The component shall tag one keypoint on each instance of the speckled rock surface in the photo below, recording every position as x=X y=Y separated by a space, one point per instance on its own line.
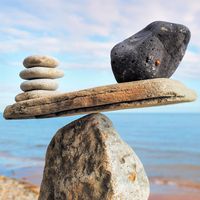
x=39 y=84
x=41 y=72
x=154 y=52
x=87 y=160
x=35 y=94
x=40 y=61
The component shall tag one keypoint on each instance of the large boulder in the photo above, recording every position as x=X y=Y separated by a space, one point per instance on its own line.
x=153 y=52
x=87 y=160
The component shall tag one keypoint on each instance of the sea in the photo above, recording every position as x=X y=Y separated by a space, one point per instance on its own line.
x=168 y=144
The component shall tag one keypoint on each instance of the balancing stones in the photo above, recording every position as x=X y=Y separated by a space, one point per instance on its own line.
x=154 y=52
x=39 y=74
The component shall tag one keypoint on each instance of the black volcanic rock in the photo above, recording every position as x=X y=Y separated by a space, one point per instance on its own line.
x=153 y=52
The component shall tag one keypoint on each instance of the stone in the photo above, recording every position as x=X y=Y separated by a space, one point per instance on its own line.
x=154 y=52
x=13 y=189
x=40 y=61
x=88 y=160
x=39 y=84
x=35 y=94
x=136 y=94
x=41 y=72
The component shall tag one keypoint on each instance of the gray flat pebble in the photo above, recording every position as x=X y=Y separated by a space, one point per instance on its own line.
x=41 y=72
x=39 y=84
x=41 y=61
x=35 y=94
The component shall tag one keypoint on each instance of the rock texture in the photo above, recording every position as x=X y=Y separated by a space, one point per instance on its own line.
x=35 y=94
x=154 y=52
x=135 y=94
x=39 y=77
x=39 y=84
x=12 y=189
x=41 y=72
x=87 y=160
x=42 y=61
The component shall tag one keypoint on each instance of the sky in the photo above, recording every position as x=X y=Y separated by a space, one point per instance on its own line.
x=81 y=33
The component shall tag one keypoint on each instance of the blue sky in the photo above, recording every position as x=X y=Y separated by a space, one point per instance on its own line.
x=81 y=33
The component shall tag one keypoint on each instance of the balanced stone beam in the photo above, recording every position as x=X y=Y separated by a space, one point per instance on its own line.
x=137 y=94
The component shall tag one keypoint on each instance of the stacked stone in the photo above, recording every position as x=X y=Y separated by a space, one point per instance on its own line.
x=39 y=74
x=87 y=159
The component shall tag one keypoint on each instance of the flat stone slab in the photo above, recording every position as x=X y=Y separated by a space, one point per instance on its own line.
x=137 y=94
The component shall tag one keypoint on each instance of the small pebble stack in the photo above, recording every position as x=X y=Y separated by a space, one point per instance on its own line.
x=39 y=74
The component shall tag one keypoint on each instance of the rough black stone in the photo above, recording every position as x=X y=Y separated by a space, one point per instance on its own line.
x=153 y=52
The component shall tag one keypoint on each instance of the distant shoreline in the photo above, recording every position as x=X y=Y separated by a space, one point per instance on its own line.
x=160 y=189
x=174 y=197
x=10 y=188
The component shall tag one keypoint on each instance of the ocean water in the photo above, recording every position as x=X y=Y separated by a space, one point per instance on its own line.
x=167 y=144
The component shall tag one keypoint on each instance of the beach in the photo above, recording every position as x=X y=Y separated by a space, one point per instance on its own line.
x=12 y=189
x=168 y=146
x=27 y=188
x=175 y=197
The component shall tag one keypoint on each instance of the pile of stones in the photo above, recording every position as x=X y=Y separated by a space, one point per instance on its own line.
x=39 y=74
x=87 y=159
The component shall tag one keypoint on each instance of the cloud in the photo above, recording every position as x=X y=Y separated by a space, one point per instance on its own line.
x=62 y=27
x=189 y=67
